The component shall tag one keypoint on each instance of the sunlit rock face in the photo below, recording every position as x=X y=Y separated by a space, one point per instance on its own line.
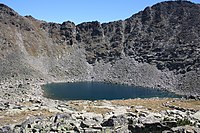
x=158 y=47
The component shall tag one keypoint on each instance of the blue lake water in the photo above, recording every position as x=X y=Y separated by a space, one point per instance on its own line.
x=100 y=91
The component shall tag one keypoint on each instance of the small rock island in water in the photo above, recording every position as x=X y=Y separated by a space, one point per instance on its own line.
x=154 y=48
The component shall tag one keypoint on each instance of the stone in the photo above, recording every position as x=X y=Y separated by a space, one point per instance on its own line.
x=76 y=129
x=170 y=123
x=196 y=115
x=167 y=131
x=83 y=125
x=122 y=129
x=149 y=120
x=148 y=127
x=6 y=129
x=186 y=129
x=108 y=123
x=97 y=127
x=54 y=110
x=115 y=121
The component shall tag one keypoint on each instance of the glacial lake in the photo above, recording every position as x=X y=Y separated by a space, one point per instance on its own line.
x=100 y=91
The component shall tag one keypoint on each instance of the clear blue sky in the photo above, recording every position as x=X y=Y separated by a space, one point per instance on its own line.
x=79 y=10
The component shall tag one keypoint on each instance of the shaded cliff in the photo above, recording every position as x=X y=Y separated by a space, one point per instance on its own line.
x=158 y=47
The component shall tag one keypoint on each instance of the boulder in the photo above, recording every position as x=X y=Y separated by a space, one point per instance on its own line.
x=185 y=129
x=115 y=121
x=196 y=115
x=6 y=129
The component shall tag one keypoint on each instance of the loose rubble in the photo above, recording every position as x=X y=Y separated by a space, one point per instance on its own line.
x=89 y=116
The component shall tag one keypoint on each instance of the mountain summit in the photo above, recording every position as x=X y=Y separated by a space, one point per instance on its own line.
x=157 y=47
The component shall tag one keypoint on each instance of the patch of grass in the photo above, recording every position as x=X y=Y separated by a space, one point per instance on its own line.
x=188 y=104
x=184 y=122
x=12 y=118
x=155 y=105
x=76 y=107
x=98 y=110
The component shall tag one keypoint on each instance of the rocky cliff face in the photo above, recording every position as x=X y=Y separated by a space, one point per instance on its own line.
x=158 y=47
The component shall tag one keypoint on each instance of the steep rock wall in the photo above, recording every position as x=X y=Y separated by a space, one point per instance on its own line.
x=158 y=47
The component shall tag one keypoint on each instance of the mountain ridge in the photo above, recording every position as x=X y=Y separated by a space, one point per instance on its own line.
x=157 y=48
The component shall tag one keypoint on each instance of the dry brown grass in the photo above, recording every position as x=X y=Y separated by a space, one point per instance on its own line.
x=98 y=110
x=89 y=106
x=11 y=118
x=76 y=105
x=187 y=104
x=155 y=105
x=98 y=107
x=26 y=104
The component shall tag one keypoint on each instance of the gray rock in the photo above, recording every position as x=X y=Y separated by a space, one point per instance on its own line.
x=108 y=123
x=6 y=129
x=187 y=129
x=115 y=121
x=83 y=125
x=148 y=127
x=196 y=115
x=149 y=120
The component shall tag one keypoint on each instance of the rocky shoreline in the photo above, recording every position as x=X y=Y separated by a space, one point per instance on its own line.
x=24 y=109
x=98 y=116
x=31 y=112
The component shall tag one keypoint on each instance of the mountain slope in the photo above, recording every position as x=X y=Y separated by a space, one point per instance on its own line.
x=158 y=47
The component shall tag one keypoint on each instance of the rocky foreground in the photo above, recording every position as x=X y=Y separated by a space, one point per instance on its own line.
x=137 y=115
x=34 y=113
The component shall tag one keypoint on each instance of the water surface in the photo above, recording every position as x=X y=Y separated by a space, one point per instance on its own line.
x=100 y=91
